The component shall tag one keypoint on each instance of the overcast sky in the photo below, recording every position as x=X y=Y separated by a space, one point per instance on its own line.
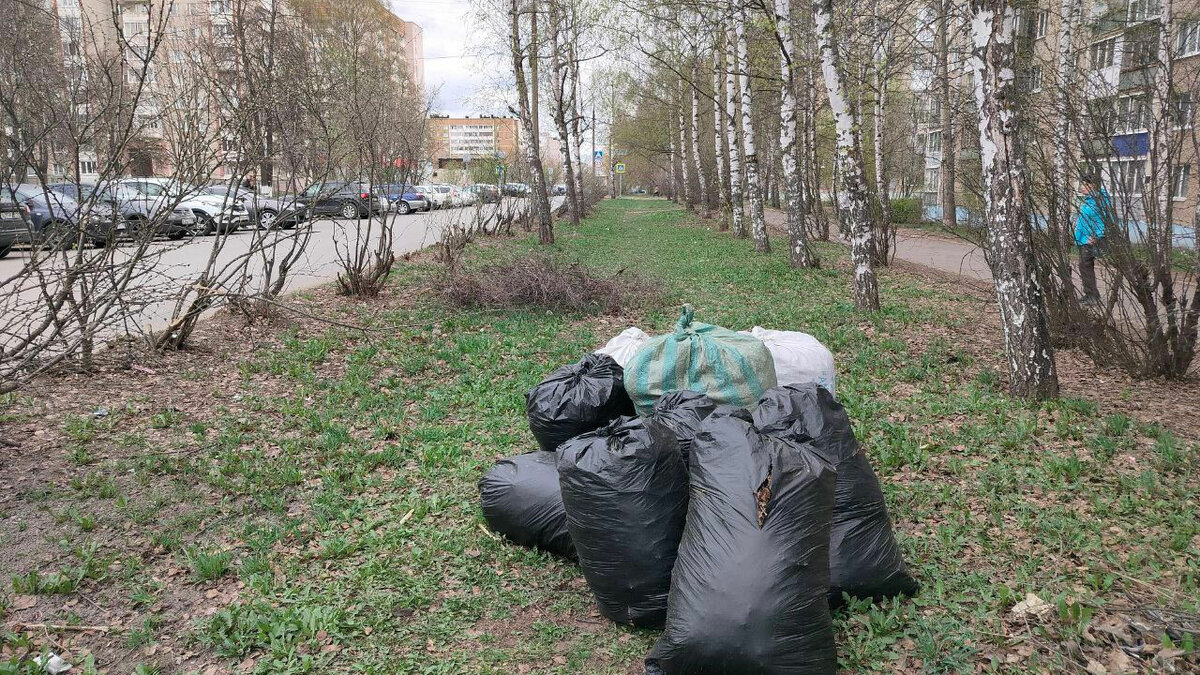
x=452 y=67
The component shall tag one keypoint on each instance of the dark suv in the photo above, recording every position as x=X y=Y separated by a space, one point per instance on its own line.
x=342 y=198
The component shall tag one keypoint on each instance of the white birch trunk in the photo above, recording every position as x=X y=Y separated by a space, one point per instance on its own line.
x=732 y=113
x=1162 y=160
x=799 y=252
x=720 y=150
x=1061 y=193
x=852 y=195
x=1032 y=372
x=882 y=54
x=758 y=224
x=697 y=158
x=684 y=164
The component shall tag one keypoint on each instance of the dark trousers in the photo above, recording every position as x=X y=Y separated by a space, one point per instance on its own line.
x=1087 y=269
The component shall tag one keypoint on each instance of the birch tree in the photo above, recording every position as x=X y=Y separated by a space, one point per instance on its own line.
x=732 y=114
x=684 y=175
x=949 y=144
x=852 y=195
x=1032 y=371
x=720 y=147
x=758 y=224
x=799 y=252
x=697 y=158
x=525 y=112
x=563 y=109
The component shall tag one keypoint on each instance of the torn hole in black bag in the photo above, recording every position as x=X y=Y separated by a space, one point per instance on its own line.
x=763 y=495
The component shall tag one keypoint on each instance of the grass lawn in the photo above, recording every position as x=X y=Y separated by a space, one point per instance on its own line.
x=310 y=505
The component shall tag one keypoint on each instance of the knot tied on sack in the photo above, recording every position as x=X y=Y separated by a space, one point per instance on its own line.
x=684 y=325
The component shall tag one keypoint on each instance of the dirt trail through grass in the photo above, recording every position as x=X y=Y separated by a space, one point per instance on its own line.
x=302 y=499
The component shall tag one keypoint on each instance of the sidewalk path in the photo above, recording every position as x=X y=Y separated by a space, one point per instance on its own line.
x=940 y=252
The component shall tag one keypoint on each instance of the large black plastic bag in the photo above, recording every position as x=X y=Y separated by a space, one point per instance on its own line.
x=521 y=501
x=683 y=411
x=750 y=598
x=577 y=398
x=865 y=560
x=625 y=490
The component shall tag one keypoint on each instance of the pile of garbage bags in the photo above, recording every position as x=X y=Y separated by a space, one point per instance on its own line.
x=704 y=494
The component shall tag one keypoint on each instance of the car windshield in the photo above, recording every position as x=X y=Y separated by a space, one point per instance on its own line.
x=444 y=189
x=150 y=189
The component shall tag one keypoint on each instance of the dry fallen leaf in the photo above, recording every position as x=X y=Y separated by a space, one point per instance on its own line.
x=23 y=602
x=1031 y=606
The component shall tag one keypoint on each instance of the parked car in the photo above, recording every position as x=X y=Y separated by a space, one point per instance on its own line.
x=213 y=214
x=12 y=224
x=558 y=190
x=438 y=195
x=53 y=219
x=486 y=194
x=465 y=196
x=406 y=198
x=515 y=190
x=264 y=212
x=130 y=211
x=341 y=198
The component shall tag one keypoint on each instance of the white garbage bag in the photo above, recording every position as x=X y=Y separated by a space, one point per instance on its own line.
x=798 y=357
x=622 y=347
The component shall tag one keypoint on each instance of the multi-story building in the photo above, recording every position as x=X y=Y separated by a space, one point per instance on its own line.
x=191 y=78
x=455 y=141
x=1114 y=58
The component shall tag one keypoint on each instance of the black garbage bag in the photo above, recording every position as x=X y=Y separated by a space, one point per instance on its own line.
x=625 y=489
x=575 y=399
x=683 y=411
x=751 y=581
x=521 y=501
x=865 y=560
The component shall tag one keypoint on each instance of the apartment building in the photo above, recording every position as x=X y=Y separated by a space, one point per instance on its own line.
x=457 y=140
x=1115 y=57
x=176 y=32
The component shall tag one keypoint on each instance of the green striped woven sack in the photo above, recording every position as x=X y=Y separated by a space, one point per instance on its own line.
x=729 y=367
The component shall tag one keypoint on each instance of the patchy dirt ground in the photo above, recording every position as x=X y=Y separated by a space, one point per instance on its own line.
x=296 y=496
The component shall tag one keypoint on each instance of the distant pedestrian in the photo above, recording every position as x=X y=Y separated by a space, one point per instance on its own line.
x=1089 y=234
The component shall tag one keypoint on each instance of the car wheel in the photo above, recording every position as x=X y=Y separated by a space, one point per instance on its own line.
x=350 y=210
x=403 y=208
x=205 y=224
x=266 y=219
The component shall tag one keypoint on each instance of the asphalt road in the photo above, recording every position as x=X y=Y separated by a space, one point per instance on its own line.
x=178 y=263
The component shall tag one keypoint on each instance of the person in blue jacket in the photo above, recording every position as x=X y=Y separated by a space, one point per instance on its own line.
x=1089 y=234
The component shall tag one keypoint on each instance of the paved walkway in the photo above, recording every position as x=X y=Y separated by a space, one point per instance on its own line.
x=940 y=252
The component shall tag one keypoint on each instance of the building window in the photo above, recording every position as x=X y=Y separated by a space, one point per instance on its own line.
x=933 y=180
x=1179 y=181
x=1184 y=110
x=87 y=166
x=219 y=7
x=1189 y=38
x=1133 y=114
x=1103 y=53
x=1035 y=78
x=933 y=142
x=1040 y=22
x=1128 y=176
x=1141 y=10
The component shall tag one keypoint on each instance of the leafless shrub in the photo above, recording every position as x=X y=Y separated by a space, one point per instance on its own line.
x=545 y=281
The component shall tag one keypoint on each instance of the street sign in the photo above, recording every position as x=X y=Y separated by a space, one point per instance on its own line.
x=620 y=168
x=599 y=154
